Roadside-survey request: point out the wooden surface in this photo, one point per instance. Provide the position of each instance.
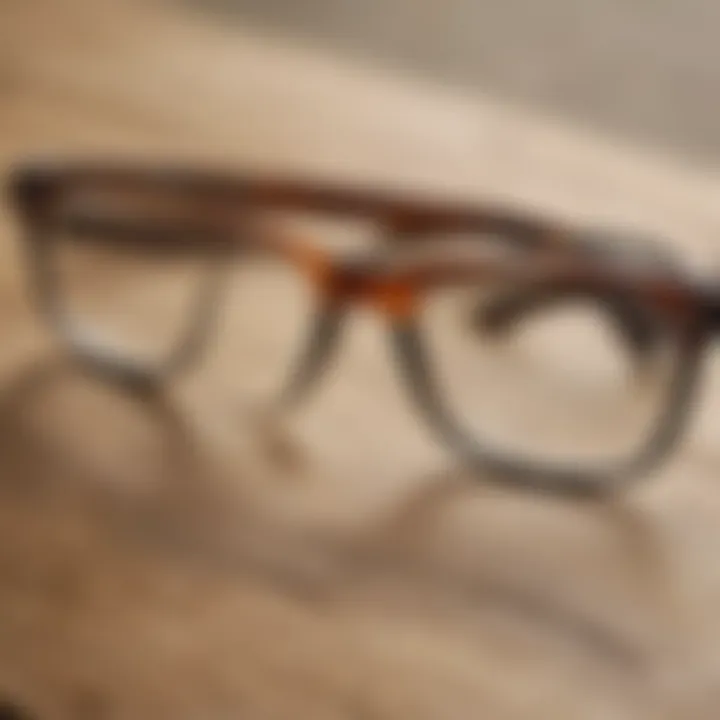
(162, 560)
(626, 67)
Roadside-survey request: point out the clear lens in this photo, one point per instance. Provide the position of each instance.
(138, 294)
(135, 302)
(564, 383)
(142, 306)
(267, 315)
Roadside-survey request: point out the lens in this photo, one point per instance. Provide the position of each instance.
(577, 381)
(123, 296)
(267, 315)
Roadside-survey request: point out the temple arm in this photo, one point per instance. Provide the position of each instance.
(505, 310)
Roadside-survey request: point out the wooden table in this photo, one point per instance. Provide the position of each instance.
(160, 560)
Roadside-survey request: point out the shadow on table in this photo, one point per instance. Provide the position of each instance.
(179, 509)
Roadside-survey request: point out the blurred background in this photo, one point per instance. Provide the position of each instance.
(180, 557)
(645, 72)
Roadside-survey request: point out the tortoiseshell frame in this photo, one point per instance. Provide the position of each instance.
(175, 209)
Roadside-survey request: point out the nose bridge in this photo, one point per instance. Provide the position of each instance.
(366, 279)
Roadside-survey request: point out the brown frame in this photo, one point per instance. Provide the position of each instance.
(173, 209)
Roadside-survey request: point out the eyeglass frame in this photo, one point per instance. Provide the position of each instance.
(213, 220)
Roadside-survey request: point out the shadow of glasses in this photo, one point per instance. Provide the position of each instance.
(180, 502)
(407, 541)
(180, 515)
(134, 457)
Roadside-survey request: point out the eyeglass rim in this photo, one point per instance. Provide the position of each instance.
(569, 254)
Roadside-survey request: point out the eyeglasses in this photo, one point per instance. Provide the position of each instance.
(555, 357)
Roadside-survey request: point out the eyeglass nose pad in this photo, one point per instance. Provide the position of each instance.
(319, 349)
